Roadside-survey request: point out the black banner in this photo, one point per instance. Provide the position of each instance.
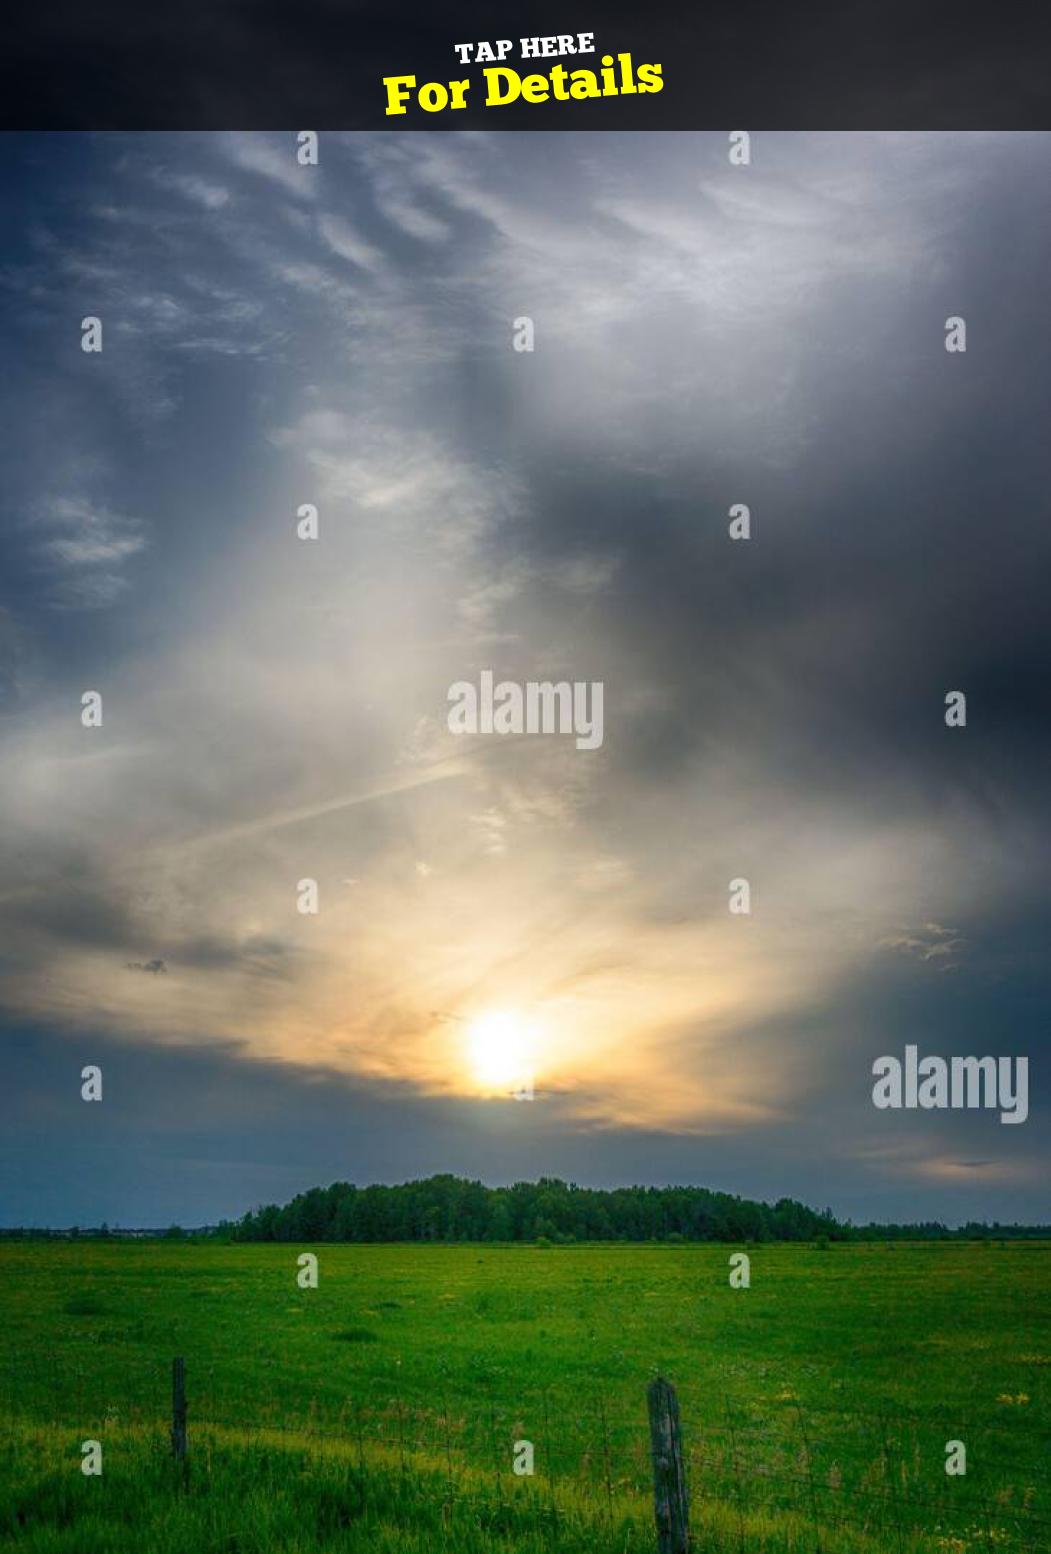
(255, 64)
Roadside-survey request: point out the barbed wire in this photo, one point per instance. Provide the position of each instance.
(425, 1431)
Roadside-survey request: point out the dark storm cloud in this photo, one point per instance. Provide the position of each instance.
(899, 556)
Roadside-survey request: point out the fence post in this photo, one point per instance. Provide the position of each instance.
(179, 1409)
(670, 1506)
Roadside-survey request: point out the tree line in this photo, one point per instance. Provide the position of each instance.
(449, 1208)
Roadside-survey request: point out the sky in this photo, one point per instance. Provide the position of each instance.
(276, 709)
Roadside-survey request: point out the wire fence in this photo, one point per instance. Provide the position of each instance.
(835, 1477)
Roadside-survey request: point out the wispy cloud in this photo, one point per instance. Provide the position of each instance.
(88, 546)
(273, 159)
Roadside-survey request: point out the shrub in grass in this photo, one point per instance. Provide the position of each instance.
(83, 1306)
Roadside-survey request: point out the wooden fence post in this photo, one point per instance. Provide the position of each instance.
(179, 1409)
(671, 1509)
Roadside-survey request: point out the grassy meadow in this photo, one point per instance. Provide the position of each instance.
(380, 1411)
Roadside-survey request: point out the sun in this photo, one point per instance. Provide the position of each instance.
(499, 1050)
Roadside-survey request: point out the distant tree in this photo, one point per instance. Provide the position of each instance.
(448, 1208)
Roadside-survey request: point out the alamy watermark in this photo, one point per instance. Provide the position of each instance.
(939, 1083)
(537, 707)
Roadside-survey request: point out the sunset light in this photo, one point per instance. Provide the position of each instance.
(500, 1050)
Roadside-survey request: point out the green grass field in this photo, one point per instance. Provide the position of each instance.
(379, 1411)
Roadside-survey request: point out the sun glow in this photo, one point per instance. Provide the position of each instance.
(500, 1050)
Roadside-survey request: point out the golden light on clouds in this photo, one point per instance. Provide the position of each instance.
(540, 965)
